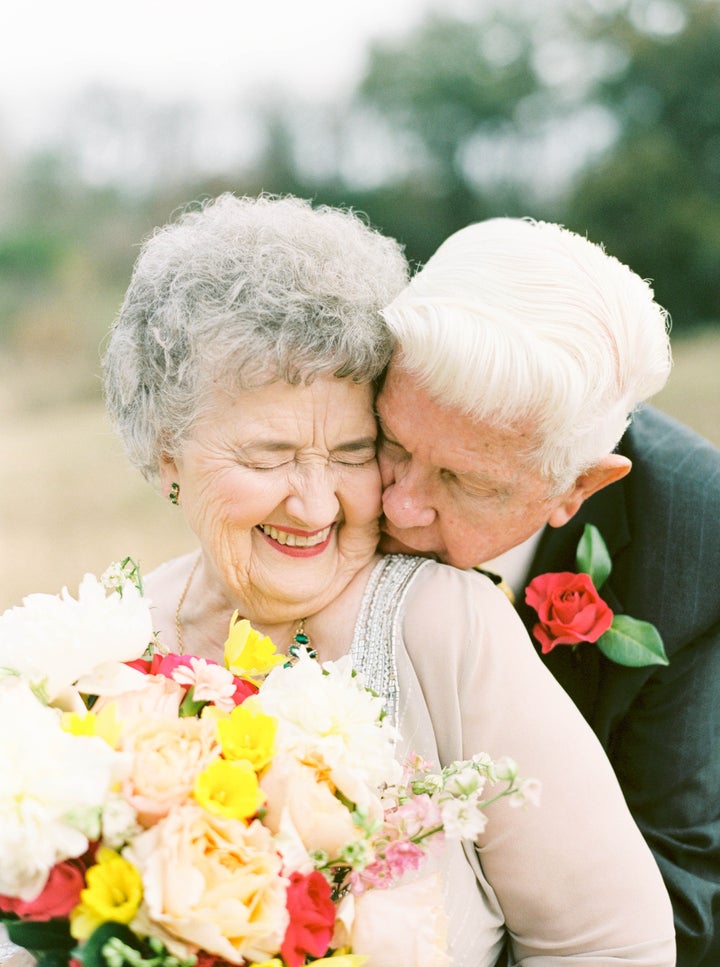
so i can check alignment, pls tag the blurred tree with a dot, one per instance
(654, 199)
(604, 116)
(408, 148)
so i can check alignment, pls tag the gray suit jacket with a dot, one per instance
(660, 725)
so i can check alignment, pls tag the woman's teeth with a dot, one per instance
(295, 540)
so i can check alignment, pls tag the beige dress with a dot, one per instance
(573, 880)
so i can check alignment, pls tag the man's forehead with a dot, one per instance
(449, 439)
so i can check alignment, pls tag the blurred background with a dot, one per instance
(423, 114)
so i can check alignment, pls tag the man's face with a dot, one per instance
(453, 486)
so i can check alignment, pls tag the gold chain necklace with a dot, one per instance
(301, 639)
(181, 602)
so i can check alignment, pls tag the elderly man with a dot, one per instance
(522, 352)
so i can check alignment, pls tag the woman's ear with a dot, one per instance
(606, 471)
(168, 475)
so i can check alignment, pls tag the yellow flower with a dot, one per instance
(248, 734)
(113, 892)
(105, 724)
(229, 789)
(248, 653)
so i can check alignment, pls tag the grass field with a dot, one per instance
(69, 503)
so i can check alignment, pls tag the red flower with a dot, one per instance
(161, 664)
(58, 897)
(243, 689)
(312, 918)
(569, 608)
(204, 959)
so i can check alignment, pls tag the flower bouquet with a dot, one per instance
(160, 810)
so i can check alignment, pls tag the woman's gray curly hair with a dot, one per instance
(244, 291)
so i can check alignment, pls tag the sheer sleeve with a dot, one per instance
(574, 878)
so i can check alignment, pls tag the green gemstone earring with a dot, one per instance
(174, 494)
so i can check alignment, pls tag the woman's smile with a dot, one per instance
(296, 543)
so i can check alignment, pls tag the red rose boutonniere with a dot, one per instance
(570, 610)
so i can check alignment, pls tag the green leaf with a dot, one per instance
(592, 556)
(633, 643)
(189, 707)
(40, 935)
(91, 952)
(52, 958)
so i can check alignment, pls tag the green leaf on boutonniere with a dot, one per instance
(633, 643)
(593, 557)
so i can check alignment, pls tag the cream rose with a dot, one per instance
(167, 755)
(406, 925)
(212, 883)
(297, 795)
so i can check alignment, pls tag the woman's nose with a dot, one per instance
(313, 501)
(405, 502)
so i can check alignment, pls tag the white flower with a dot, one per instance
(506, 769)
(462, 819)
(119, 822)
(53, 786)
(466, 782)
(325, 711)
(54, 641)
(527, 792)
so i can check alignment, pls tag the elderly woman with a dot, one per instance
(240, 374)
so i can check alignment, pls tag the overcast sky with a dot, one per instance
(186, 48)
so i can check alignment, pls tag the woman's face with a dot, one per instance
(282, 489)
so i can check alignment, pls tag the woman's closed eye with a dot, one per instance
(266, 461)
(359, 456)
(268, 466)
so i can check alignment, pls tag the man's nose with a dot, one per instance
(406, 501)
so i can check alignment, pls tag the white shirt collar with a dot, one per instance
(514, 565)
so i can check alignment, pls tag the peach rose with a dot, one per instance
(212, 883)
(296, 793)
(406, 925)
(155, 697)
(167, 755)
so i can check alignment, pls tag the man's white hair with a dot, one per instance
(526, 324)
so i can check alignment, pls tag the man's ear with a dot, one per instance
(606, 471)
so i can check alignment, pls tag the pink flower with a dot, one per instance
(418, 814)
(209, 681)
(398, 858)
